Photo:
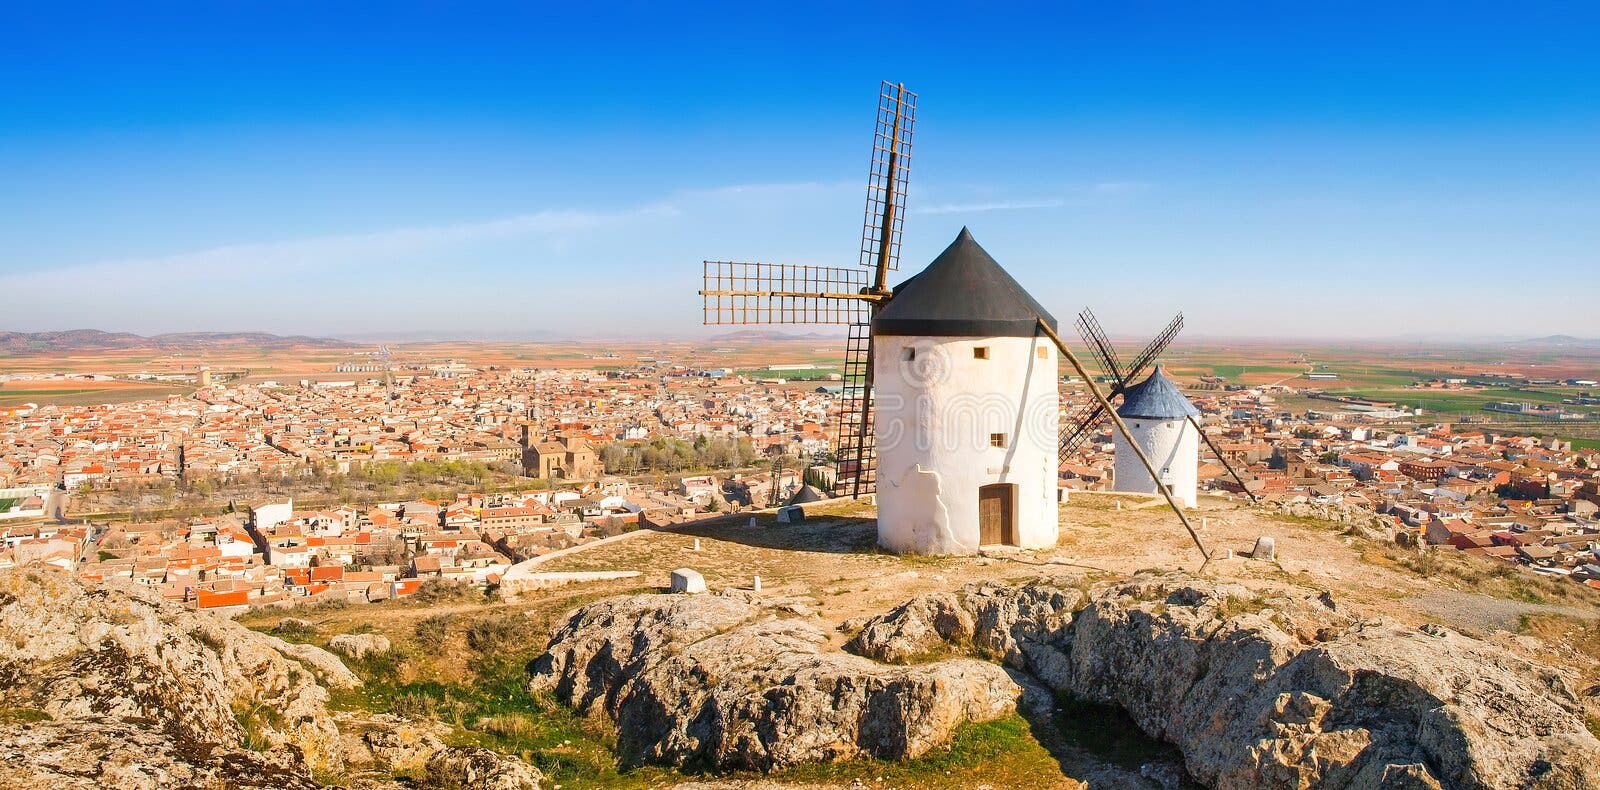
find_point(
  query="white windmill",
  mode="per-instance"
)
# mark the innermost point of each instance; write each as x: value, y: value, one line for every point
x: 1161, y: 420
x: 966, y: 410
x: 950, y: 381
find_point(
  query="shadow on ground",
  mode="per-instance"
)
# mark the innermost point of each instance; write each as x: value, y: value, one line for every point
x: 831, y: 534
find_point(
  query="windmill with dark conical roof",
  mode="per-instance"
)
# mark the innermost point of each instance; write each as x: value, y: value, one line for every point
x: 950, y: 409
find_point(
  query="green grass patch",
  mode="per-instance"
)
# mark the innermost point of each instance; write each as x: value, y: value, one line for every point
x: 1109, y: 733
x: 22, y: 715
x: 494, y: 709
x: 998, y: 753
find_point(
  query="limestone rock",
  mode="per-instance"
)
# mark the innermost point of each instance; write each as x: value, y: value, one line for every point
x: 1287, y: 691
x: 469, y: 768
x: 359, y: 645
x: 403, y: 747
x: 987, y: 615
x: 97, y: 753
x: 721, y: 682
x: 77, y: 650
x: 295, y: 625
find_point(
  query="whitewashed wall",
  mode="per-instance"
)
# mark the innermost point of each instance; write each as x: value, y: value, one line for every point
x: 934, y: 416
x: 1172, y: 445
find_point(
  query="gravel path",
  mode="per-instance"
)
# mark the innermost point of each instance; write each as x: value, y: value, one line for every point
x: 1473, y: 610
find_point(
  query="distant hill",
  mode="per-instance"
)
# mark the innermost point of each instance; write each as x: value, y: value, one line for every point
x: 23, y: 343
x: 1559, y: 342
x: 765, y: 336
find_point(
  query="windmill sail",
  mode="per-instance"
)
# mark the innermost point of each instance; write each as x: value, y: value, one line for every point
x: 737, y: 292
x: 855, y: 456
x: 781, y: 293
x: 1091, y: 420
x: 888, y: 179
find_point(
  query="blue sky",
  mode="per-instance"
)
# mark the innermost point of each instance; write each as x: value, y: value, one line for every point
x: 1275, y: 169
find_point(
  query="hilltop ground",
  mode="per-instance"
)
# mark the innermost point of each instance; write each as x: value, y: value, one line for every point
x: 461, y: 658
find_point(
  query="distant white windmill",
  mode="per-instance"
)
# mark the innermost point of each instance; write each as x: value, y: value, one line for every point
x: 1161, y: 420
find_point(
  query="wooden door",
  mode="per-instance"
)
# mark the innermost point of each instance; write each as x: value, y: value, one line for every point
x: 995, y: 525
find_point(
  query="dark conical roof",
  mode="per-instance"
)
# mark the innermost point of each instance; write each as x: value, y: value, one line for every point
x: 1156, y: 398
x: 963, y: 292
x: 807, y: 493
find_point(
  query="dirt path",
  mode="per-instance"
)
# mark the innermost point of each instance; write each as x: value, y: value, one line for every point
x: 1475, y: 609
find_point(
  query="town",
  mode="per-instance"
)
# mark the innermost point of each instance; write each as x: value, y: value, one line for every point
x: 550, y: 458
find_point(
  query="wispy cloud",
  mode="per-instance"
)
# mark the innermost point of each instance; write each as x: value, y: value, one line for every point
x: 233, y: 261
x: 996, y: 205
x: 1089, y: 195
x: 294, y: 282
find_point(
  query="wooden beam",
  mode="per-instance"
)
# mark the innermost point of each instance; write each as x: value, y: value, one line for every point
x: 866, y: 297
x: 1222, y: 460
x: 1123, y: 428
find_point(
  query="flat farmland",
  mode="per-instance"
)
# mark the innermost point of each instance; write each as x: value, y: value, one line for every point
x: 83, y: 393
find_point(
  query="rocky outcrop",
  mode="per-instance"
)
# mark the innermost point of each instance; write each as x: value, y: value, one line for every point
x: 722, y: 682
x: 1287, y: 691
x: 116, y: 654
x: 402, y: 747
x: 359, y: 645
x: 1356, y: 520
x: 468, y: 768
x: 398, y: 747
x: 96, y: 753
x: 988, y: 616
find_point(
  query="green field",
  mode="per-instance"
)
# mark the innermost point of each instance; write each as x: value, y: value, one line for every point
x: 1235, y: 371
x: 89, y: 395
x: 1458, y: 401
x: 805, y: 374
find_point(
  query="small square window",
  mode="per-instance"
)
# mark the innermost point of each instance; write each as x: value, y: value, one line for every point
x: 1044, y: 353
x: 909, y: 355
x: 980, y: 352
x: 997, y: 440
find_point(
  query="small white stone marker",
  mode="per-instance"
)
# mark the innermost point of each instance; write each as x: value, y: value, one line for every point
x: 1266, y: 549
x: 688, y: 580
x: 1119, y: 504
x: 696, y: 544
x: 756, y: 582
x: 1203, y: 521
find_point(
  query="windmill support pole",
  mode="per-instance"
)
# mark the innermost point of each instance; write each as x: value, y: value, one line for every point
x: 1122, y: 427
x: 1222, y: 460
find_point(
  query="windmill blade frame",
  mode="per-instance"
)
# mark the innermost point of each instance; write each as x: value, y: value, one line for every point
x: 1094, y: 337
x: 741, y: 292
x: 1084, y: 426
x: 1154, y: 348
x: 855, y: 455
x: 738, y: 292
x: 888, y: 180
